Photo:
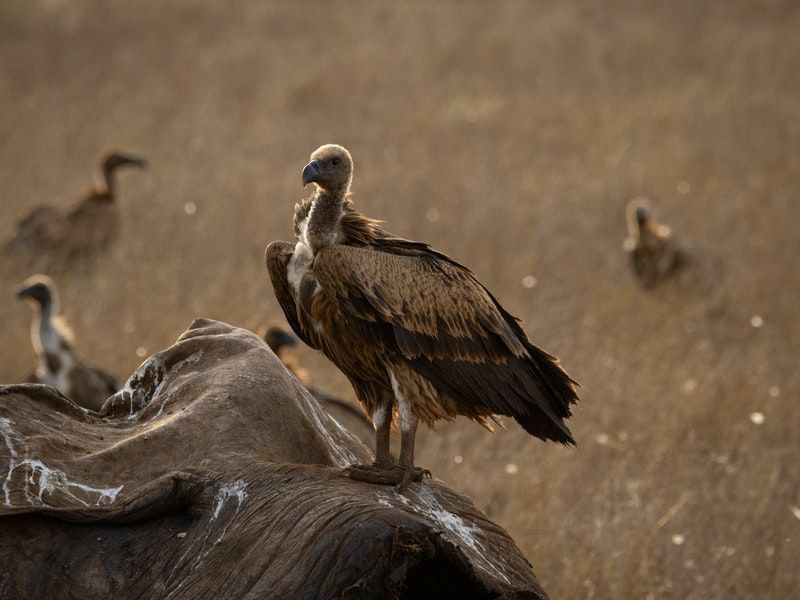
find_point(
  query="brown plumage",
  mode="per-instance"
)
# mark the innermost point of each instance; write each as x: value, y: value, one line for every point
x: 654, y: 253
x: 66, y: 231
x: 284, y: 344
x: 59, y: 365
x: 413, y: 330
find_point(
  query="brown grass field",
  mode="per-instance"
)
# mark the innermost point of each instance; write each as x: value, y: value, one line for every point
x: 509, y: 135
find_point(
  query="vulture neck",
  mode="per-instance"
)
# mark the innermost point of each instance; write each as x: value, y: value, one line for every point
x: 648, y: 231
x: 323, y: 218
x: 43, y: 326
x: 104, y: 182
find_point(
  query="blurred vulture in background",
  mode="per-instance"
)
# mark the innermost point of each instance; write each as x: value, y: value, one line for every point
x: 284, y: 345
x: 654, y: 253
x: 414, y: 331
x: 59, y: 366
x: 72, y: 229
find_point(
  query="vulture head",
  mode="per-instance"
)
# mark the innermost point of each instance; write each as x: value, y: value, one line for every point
x: 331, y: 168
x: 639, y: 215
x: 278, y: 338
x: 38, y: 288
x: 112, y: 159
x: 642, y: 215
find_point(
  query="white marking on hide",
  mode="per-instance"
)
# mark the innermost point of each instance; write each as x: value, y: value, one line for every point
x: 134, y: 394
x: 340, y: 453
x: 154, y: 368
x: 52, y: 481
x: 455, y: 529
x: 8, y: 432
x: 48, y: 480
x: 189, y: 360
x: 225, y: 493
x: 235, y: 490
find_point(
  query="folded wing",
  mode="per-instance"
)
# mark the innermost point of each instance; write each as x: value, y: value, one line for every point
x: 425, y: 309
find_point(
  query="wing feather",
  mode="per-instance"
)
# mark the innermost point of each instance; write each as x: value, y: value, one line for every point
x: 432, y: 313
x: 277, y: 258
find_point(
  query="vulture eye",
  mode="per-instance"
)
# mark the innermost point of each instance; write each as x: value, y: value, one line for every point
x: 335, y: 162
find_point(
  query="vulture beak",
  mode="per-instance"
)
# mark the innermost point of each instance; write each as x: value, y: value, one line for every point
x: 135, y: 160
x: 311, y: 172
x: 21, y: 291
x: 642, y: 214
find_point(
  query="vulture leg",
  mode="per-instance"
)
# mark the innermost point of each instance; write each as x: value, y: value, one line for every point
x: 382, y: 419
x: 408, y: 434
x: 384, y: 471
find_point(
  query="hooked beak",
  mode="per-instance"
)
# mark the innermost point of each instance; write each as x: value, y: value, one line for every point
x: 21, y: 291
x: 642, y: 214
x: 136, y: 160
x: 311, y: 172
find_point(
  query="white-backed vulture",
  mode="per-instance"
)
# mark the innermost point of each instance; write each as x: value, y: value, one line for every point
x: 78, y: 227
x: 414, y: 331
x: 58, y: 364
x: 654, y: 253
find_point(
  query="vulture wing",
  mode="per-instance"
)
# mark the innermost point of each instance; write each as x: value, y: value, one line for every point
x: 277, y: 258
x: 424, y: 308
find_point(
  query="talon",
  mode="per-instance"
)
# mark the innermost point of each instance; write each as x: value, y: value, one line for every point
x: 412, y: 475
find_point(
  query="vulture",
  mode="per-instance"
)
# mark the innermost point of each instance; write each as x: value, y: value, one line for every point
x: 415, y: 332
x: 58, y: 364
x: 655, y: 254
x: 77, y: 227
x: 283, y: 344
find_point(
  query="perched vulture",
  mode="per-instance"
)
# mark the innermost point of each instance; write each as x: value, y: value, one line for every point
x: 283, y: 344
x: 78, y: 227
x: 414, y: 331
x: 59, y: 366
x: 655, y: 255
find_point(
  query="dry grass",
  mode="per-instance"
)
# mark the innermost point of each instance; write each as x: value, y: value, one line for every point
x: 525, y: 128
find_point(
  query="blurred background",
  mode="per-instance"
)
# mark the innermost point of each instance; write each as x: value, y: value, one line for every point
x: 510, y: 135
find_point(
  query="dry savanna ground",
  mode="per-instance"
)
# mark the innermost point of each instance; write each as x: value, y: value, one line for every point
x: 510, y: 135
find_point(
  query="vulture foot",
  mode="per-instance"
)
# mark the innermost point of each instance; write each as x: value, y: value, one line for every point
x: 394, y: 475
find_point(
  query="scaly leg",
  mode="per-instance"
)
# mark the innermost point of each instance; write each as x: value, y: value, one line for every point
x: 381, y: 471
x: 408, y: 434
x: 382, y: 419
